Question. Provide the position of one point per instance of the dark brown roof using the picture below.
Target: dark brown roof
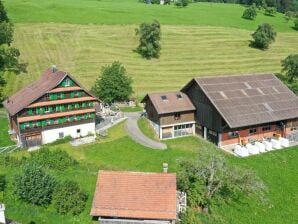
(29, 94)
(170, 102)
(246, 100)
(135, 195)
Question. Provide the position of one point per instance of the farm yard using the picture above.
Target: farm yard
(81, 36)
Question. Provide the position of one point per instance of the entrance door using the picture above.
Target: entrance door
(33, 140)
(212, 136)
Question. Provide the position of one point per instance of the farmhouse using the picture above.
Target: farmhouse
(135, 198)
(238, 109)
(53, 107)
(171, 114)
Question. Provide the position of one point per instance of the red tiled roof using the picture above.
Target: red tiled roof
(135, 195)
(171, 102)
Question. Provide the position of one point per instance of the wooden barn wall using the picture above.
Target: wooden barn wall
(151, 112)
(206, 114)
(168, 119)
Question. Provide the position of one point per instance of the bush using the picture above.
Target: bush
(263, 36)
(296, 24)
(270, 11)
(181, 3)
(190, 216)
(57, 159)
(34, 186)
(250, 13)
(150, 35)
(68, 198)
(113, 84)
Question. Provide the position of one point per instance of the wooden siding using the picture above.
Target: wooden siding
(151, 112)
(206, 114)
(168, 119)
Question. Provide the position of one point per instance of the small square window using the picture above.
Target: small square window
(164, 98)
(67, 82)
(252, 131)
(61, 134)
(78, 131)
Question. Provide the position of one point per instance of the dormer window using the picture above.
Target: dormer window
(164, 98)
(179, 96)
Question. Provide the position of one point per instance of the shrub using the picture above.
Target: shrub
(182, 3)
(263, 36)
(296, 24)
(250, 13)
(68, 198)
(270, 11)
(113, 84)
(190, 216)
(57, 159)
(34, 186)
(290, 66)
(150, 35)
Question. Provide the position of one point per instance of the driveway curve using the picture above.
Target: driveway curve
(137, 135)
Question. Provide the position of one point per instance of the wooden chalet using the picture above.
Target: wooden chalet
(53, 107)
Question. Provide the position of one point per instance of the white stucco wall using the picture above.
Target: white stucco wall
(52, 135)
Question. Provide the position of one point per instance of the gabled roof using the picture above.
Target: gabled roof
(135, 195)
(170, 102)
(49, 80)
(247, 100)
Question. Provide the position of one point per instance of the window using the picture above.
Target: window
(177, 116)
(252, 131)
(67, 82)
(179, 96)
(27, 125)
(56, 121)
(164, 98)
(46, 109)
(78, 131)
(233, 134)
(266, 128)
(48, 122)
(61, 134)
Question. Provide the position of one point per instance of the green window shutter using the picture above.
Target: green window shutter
(78, 117)
(22, 126)
(57, 108)
(50, 109)
(85, 116)
(30, 124)
(41, 110)
(44, 123)
(52, 121)
(30, 112)
(71, 118)
(60, 120)
(37, 111)
(72, 94)
(62, 95)
(79, 93)
(51, 96)
(93, 115)
(38, 123)
(91, 104)
(62, 107)
(63, 83)
(77, 105)
(64, 119)
(84, 104)
(70, 82)
(69, 106)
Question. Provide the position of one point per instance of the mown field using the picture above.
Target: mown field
(187, 51)
(277, 169)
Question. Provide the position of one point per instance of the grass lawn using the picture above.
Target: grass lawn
(187, 51)
(134, 12)
(146, 128)
(118, 152)
(4, 137)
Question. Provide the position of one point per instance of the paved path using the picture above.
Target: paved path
(136, 134)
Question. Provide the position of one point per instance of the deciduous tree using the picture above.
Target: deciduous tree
(150, 35)
(250, 13)
(263, 36)
(113, 84)
(290, 67)
(34, 186)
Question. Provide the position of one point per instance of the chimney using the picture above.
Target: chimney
(165, 167)
(54, 68)
(2, 215)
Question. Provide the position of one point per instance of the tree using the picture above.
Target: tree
(209, 177)
(290, 66)
(9, 60)
(182, 3)
(270, 11)
(114, 84)
(296, 24)
(68, 198)
(263, 36)
(250, 13)
(150, 35)
(34, 186)
(289, 15)
(3, 14)
(6, 33)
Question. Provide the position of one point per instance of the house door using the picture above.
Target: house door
(212, 136)
(33, 140)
